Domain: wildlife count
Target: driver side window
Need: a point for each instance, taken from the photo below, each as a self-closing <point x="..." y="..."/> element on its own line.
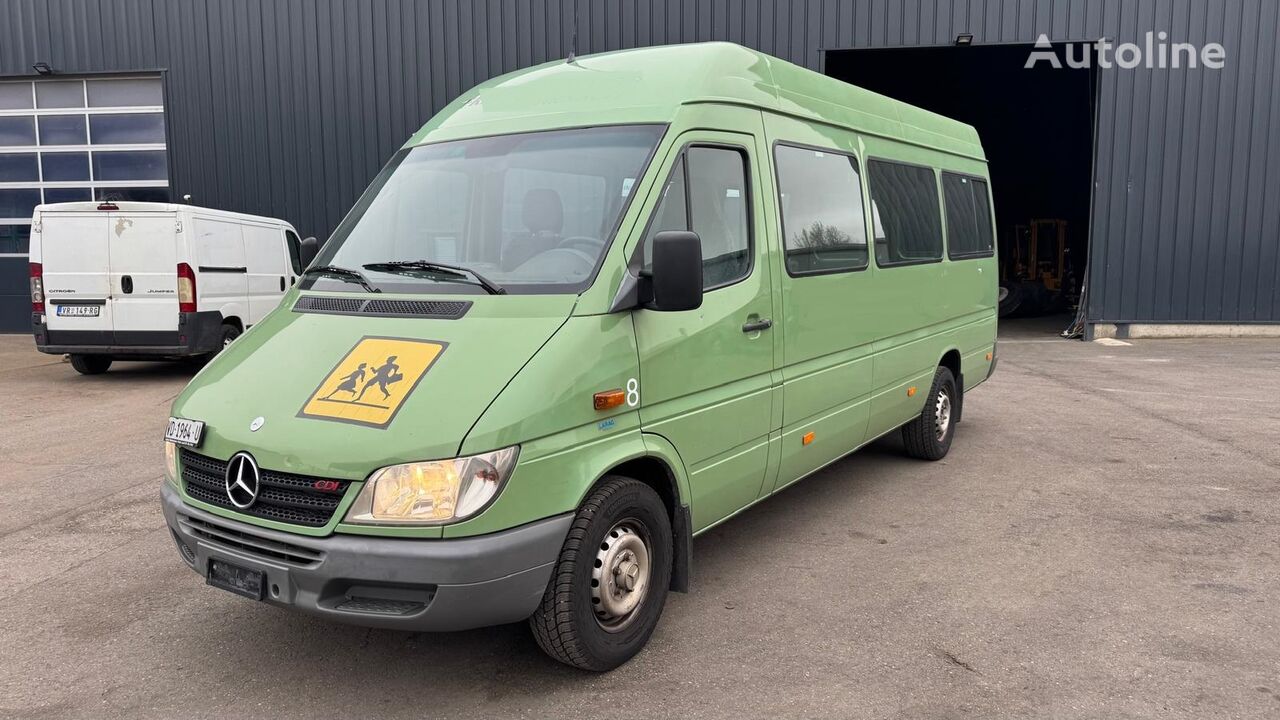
<point x="707" y="193"/>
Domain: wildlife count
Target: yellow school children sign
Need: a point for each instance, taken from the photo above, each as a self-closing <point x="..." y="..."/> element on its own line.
<point x="372" y="381"/>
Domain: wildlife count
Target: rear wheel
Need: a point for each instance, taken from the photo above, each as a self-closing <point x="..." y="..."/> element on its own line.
<point x="229" y="334"/>
<point x="90" y="364"/>
<point x="610" y="582"/>
<point x="929" y="435"/>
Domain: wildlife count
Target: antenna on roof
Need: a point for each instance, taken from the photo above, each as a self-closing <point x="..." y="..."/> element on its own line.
<point x="573" y="39"/>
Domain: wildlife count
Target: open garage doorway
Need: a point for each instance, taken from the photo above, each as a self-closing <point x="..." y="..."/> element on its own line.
<point x="1037" y="128"/>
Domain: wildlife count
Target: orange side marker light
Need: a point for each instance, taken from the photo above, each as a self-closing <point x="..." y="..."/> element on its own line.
<point x="608" y="399"/>
<point x="988" y="357"/>
<point x="807" y="438"/>
<point x="911" y="391"/>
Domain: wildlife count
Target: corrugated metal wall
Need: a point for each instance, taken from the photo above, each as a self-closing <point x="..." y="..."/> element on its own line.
<point x="289" y="107"/>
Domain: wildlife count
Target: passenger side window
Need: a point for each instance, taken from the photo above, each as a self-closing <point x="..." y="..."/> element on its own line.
<point x="295" y="251"/>
<point x="968" y="217"/>
<point x="823" y="226"/>
<point x="905" y="213"/>
<point x="426" y="215"/>
<point x="707" y="193"/>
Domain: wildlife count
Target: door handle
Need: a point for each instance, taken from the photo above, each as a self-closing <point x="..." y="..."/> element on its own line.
<point x="757" y="325"/>
<point x="126" y="284"/>
<point x="281" y="283"/>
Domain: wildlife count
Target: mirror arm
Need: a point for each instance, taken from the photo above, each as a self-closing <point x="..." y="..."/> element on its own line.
<point x="628" y="295"/>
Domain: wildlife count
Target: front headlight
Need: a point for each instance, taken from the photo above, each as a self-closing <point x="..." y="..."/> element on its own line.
<point x="171" y="462"/>
<point x="432" y="492"/>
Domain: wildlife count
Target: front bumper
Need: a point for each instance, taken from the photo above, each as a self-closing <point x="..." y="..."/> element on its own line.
<point x="416" y="585"/>
<point x="198" y="333"/>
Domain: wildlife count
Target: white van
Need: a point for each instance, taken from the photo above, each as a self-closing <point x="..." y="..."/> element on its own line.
<point x="145" y="281"/>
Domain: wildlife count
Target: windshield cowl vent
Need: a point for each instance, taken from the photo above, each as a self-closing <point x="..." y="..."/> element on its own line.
<point x="434" y="309"/>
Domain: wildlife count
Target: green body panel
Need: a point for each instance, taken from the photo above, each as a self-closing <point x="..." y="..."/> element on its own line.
<point x="705" y="385"/>
<point x="274" y="368"/>
<point x="723" y="410"/>
<point x="547" y="410"/>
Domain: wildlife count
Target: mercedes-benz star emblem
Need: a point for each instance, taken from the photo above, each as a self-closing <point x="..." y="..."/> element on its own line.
<point x="242" y="480"/>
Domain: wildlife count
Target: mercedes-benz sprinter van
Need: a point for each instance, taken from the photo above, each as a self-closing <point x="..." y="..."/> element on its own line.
<point x="590" y="310"/>
<point x="150" y="281"/>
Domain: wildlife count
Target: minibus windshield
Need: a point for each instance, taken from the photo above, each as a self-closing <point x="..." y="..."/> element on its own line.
<point x="506" y="214"/>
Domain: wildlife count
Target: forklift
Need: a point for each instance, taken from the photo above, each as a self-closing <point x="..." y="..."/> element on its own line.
<point x="1036" y="274"/>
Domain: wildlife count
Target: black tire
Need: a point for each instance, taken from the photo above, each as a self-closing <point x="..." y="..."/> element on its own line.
<point x="90" y="364"/>
<point x="929" y="435"/>
<point x="1035" y="300"/>
<point x="1010" y="298"/>
<point x="567" y="625"/>
<point x="229" y="333"/>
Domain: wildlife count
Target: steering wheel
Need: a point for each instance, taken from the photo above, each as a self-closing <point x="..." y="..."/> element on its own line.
<point x="593" y="244"/>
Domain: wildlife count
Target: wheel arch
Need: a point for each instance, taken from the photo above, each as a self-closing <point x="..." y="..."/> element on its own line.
<point x="951" y="361"/>
<point x="660" y="468"/>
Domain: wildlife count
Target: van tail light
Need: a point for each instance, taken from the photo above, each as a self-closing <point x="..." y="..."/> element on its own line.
<point x="186" y="289"/>
<point x="37" y="287"/>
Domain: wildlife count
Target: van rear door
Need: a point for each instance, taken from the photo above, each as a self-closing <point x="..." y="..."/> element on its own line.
<point x="144" y="277"/>
<point x="77" y="280"/>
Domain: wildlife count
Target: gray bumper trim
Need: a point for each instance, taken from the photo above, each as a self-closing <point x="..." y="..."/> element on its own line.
<point x="417" y="585"/>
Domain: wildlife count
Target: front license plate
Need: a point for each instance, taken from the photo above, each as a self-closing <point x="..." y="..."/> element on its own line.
<point x="241" y="581"/>
<point x="184" y="432"/>
<point x="78" y="310"/>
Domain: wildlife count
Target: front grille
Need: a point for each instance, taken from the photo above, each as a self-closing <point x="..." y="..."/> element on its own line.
<point x="283" y="497"/>
<point x="249" y="543"/>
<point x="435" y="309"/>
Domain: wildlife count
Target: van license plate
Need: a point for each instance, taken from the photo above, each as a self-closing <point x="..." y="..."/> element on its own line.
<point x="241" y="581"/>
<point x="78" y="310"/>
<point x="184" y="432"/>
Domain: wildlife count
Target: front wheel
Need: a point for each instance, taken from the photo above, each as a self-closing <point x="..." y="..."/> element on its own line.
<point x="610" y="582"/>
<point x="928" y="436"/>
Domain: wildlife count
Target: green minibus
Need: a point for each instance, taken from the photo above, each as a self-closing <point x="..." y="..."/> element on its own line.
<point x="590" y="310"/>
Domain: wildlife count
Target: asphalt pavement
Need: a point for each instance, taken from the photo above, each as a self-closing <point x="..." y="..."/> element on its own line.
<point x="1102" y="541"/>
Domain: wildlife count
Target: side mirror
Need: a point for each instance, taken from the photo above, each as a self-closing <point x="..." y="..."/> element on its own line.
<point x="308" y="248"/>
<point x="676" y="278"/>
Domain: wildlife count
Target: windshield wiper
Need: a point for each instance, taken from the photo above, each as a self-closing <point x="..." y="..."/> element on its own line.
<point x="438" y="268"/>
<point x="352" y="276"/>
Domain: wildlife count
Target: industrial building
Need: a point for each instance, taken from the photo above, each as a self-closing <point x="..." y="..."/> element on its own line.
<point x="1141" y="162"/>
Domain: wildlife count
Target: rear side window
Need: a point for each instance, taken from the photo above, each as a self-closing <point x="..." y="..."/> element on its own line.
<point x="823" y="227"/>
<point x="707" y="193"/>
<point x="968" y="216"/>
<point x="905" y="217"/>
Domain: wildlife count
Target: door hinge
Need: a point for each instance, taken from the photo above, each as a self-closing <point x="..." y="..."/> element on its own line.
<point x="37" y="226"/>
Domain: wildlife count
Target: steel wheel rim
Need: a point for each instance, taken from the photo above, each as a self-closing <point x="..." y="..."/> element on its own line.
<point x="942" y="415"/>
<point x="620" y="575"/>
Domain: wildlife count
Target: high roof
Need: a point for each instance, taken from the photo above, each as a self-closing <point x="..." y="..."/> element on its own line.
<point x="650" y="84"/>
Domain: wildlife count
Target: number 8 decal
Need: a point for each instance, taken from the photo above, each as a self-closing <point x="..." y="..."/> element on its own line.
<point x="633" y="392"/>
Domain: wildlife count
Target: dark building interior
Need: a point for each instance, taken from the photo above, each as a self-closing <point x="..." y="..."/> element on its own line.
<point x="1036" y="126"/>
